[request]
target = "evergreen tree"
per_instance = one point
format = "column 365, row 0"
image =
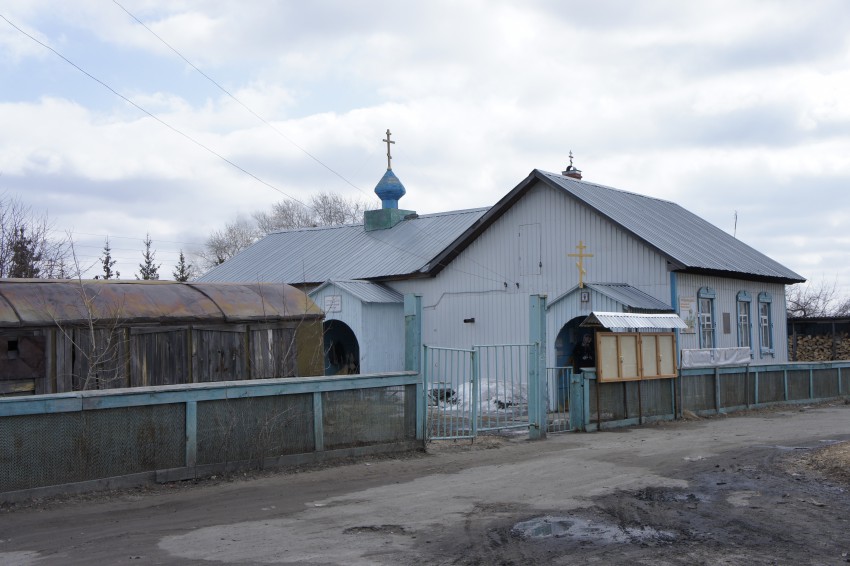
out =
column 183, row 271
column 107, row 262
column 25, row 257
column 148, row 271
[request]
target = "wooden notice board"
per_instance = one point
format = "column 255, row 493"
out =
column 630, row 356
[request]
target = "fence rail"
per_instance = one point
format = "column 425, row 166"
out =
column 707, row 391
column 180, row 431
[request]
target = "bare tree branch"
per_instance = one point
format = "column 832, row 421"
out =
column 815, row 300
column 324, row 209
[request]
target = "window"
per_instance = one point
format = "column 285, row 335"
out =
column 706, row 317
column 12, row 349
column 745, row 328
column 765, row 323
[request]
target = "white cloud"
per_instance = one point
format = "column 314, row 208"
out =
column 718, row 106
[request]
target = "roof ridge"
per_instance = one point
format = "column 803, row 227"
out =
column 610, row 188
column 360, row 224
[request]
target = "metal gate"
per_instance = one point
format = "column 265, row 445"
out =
column 477, row 390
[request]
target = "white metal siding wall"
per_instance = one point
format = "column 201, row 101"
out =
column 727, row 293
column 482, row 281
column 382, row 343
column 351, row 313
column 567, row 309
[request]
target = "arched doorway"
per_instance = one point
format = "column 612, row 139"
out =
column 569, row 338
column 342, row 352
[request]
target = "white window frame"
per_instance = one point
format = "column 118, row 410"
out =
column 745, row 321
column 705, row 317
column 766, row 339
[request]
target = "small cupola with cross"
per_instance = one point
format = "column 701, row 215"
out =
column 571, row 170
column 389, row 189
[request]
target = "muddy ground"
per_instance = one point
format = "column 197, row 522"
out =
column 770, row 505
column 770, row 487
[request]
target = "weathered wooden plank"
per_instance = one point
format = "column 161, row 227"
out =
column 17, row 386
column 84, row 358
column 22, row 357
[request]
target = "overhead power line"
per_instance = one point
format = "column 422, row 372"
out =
column 152, row 115
column 242, row 104
column 210, row 150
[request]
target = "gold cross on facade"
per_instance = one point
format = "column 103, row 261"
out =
column 389, row 157
column 580, row 263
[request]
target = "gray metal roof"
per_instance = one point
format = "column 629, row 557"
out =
column 685, row 238
column 633, row 320
column 631, row 297
column 429, row 243
column 365, row 291
column 315, row 255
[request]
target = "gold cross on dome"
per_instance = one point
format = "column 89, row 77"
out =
column 388, row 141
column 580, row 263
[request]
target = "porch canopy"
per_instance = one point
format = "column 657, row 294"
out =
column 633, row 320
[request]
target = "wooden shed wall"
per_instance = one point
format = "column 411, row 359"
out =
column 57, row 360
column 22, row 362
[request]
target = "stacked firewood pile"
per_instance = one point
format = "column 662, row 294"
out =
column 820, row 348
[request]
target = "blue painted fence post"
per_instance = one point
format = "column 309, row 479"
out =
column 537, row 367
column 318, row 422
column 191, row 433
column 587, row 376
column 717, row 397
column 413, row 355
column 577, row 417
column 811, row 383
column 756, row 387
column 785, row 384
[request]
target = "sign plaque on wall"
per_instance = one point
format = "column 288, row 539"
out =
column 333, row 303
column 688, row 313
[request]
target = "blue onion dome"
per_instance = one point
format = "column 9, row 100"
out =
column 389, row 189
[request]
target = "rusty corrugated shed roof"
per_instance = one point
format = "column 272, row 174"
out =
column 314, row 255
column 44, row 302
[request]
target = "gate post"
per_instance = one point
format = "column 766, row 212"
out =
column 537, row 368
column 577, row 396
column 413, row 355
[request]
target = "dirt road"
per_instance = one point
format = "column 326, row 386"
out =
column 729, row 490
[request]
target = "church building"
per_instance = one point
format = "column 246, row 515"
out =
column 605, row 258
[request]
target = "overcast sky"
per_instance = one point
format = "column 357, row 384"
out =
column 718, row 106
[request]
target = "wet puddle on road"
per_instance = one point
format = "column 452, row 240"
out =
column 585, row 530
